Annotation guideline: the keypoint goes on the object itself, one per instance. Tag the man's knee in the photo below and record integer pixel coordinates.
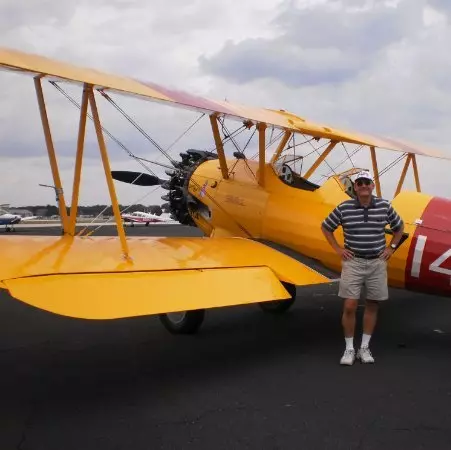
(350, 306)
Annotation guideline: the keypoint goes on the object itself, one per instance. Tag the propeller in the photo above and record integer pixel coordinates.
(177, 198)
(138, 178)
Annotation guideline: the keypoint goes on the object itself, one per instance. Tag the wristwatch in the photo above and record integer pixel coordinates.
(393, 246)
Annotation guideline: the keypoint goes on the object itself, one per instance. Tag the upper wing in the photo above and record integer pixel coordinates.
(60, 71)
(86, 277)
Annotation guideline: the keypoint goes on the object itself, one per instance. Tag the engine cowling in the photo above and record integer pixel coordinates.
(178, 197)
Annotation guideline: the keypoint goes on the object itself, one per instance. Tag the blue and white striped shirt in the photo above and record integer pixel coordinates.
(364, 227)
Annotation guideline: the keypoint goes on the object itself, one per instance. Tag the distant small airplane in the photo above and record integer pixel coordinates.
(9, 220)
(144, 217)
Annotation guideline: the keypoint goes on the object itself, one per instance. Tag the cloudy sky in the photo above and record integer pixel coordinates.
(375, 66)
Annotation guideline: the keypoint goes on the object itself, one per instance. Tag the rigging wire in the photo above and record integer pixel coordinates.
(108, 98)
(245, 160)
(117, 141)
(139, 160)
(178, 139)
(268, 144)
(186, 131)
(227, 133)
(352, 162)
(316, 150)
(137, 126)
(392, 164)
(237, 132)
(343, 161)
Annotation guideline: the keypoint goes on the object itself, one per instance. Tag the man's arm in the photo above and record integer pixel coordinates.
(397, 235)
(329, 235)
(397, 226)
(329, 225)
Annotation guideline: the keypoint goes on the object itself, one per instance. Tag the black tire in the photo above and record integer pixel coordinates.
(188, 322)
(280, 306)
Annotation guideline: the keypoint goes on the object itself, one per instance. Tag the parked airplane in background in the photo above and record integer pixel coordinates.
(9, 220)
(146, 218)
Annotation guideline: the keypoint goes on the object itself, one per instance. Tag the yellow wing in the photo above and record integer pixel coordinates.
(60, 71)
(85, 278)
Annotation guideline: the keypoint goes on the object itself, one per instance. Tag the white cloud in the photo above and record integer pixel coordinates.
(365, 65)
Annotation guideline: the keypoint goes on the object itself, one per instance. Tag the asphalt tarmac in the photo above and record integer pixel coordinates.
(247, 380)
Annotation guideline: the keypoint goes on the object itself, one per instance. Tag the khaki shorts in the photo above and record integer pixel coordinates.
(358, 272)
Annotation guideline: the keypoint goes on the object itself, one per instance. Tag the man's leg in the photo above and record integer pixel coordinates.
(348, 317)
(370, 317)
(350, 286)
(348, 323)
(377, 290)
(369, 323)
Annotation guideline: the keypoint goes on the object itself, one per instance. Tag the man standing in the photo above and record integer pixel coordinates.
(364, 258)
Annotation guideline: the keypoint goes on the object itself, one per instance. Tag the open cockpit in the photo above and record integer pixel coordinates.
(289, 169)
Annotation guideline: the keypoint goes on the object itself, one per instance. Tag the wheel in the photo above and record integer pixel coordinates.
(280, 306)
(183, 322)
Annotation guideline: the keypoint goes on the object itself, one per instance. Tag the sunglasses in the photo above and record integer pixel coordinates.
(363, 182)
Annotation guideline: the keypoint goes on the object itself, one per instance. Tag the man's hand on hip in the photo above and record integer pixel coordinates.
(386, 254)
(345, 254)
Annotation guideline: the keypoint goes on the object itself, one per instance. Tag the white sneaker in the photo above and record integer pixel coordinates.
(365, 355)
(348, 358)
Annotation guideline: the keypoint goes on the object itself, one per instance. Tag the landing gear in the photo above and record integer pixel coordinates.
(280, 306)
(189, 322)
(183, 322)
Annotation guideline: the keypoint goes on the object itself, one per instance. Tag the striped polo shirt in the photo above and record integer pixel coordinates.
(364, 227)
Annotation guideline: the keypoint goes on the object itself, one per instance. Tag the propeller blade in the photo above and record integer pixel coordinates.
(138, 178)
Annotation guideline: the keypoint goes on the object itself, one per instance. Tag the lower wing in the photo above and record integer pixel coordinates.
(87, 278)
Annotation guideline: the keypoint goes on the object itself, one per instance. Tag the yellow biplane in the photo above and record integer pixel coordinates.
(261, 218)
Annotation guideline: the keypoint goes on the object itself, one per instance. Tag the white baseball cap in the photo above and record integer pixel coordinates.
(363, 174)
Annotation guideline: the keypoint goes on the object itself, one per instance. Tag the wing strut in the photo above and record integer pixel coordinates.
(415, 172)
(281, 146)
(51, 153)
(320, 159)
(109, 178)
(403, 174)
(78, 160)
(219, 146)
(410, 158)
(261, 153)
(375, 171)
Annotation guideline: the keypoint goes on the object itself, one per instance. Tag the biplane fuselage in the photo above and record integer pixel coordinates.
(236, 202)
(292, 216)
